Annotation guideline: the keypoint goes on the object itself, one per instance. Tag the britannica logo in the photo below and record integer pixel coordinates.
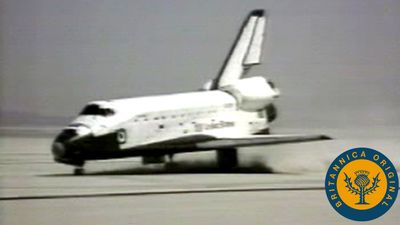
(361, 184)
(362, 181)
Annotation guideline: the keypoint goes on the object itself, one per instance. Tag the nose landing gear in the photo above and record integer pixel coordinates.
(79, 171)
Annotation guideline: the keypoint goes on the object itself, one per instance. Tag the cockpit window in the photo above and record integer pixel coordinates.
(97, 110)
(272, 84)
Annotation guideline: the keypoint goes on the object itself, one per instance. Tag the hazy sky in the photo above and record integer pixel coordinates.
(336, 62)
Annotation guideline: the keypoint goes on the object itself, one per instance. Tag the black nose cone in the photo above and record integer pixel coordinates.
(58, 150)
(66, 135)
(59, 145)
(65, 150)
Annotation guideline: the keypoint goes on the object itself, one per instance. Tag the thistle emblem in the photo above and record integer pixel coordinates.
(362, 181)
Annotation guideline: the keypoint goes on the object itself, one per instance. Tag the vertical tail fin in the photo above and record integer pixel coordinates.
(246, 50)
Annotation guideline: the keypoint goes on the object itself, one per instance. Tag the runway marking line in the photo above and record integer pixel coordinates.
(158, 192)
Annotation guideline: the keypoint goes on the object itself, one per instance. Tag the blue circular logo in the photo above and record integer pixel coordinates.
(361, 184)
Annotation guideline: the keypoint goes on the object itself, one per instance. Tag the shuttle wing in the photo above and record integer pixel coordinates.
(194, 143)
(233, 142)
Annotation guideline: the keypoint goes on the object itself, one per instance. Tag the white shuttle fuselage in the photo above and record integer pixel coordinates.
(230, 112)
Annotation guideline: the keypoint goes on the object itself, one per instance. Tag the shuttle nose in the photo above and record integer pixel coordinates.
(72, 134)
(58, 149)
(65, 149)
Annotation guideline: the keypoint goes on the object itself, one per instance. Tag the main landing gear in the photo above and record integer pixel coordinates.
(170, 158)
(227, 159)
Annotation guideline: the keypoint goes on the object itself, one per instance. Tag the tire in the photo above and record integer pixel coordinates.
(227, 159)
(79, 171)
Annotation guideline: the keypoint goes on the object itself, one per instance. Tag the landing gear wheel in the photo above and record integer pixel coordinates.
(170, 164)
(171, 158)
(227, 159)
(79, 171)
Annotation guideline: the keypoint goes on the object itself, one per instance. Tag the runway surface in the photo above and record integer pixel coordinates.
(35, 190)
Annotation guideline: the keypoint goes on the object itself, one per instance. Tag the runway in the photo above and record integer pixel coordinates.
(35, 190)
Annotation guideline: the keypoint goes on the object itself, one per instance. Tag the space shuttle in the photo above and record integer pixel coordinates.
(230, 111)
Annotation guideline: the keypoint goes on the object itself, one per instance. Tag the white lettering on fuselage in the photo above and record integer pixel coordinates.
(215, 125)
